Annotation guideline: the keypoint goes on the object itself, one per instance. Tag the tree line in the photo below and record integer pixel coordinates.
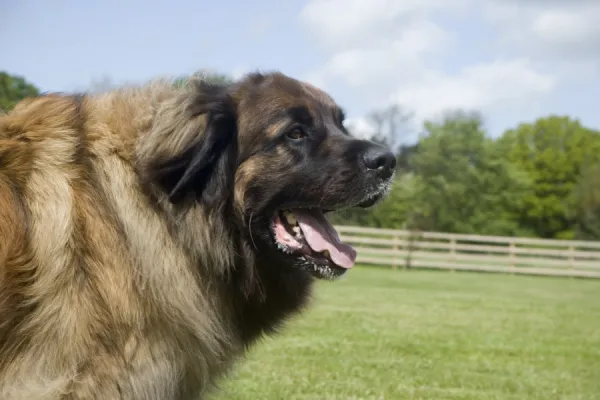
(537, 179)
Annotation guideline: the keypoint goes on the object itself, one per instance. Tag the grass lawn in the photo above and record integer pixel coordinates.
(382, 334)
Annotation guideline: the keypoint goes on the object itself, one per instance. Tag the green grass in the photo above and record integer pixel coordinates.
(382, 334)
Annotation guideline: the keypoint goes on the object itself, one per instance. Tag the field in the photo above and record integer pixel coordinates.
(383, 334)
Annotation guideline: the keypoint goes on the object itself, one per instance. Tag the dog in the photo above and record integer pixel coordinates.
(149, 235)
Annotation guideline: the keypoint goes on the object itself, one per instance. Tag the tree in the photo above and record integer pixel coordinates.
(587, 203)
(13, 89)
(402, 205)
(390, 125)
(393, 213)
(404, 157)
(553, 151)
(102, 85)
(464, 184)
(208, 75)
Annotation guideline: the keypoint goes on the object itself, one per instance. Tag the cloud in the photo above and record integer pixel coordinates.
(421, 54)
(360, 127)
(498, 84)
(565, 31)
(239, 72)
(387, 58)
(341, 24)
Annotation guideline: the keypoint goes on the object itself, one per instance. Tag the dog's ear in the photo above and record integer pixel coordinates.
(192, 146)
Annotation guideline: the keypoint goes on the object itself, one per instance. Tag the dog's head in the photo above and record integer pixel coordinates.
(271, 153)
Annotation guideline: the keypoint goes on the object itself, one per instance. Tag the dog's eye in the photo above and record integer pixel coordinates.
(297, 133)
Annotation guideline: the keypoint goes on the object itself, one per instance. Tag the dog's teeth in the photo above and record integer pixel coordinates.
(296, 230)
(290, 217)
(325, 253)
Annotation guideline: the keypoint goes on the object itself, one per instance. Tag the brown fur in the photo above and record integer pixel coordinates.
(111, 288)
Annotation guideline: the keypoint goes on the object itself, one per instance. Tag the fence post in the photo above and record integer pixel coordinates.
(511, 253)
(395, 248)
(571, 256)
(453, 250)
(409, 250)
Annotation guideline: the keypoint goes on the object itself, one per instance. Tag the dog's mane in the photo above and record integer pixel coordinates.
(118, 254)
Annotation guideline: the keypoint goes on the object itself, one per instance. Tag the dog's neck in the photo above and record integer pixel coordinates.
(267, 295)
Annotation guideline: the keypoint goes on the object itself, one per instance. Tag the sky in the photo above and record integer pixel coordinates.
(511, 60)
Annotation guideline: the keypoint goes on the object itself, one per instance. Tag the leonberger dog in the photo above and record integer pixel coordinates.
(149, 235)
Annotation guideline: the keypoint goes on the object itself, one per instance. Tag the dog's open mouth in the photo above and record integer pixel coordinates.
(306, 233)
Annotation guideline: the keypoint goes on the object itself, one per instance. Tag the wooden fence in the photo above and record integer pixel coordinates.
(406, 249)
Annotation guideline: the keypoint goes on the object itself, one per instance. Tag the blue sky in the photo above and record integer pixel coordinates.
(510, 61)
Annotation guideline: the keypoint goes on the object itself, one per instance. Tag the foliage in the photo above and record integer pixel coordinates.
(393, 213)
(207, 75)
(539, 179)
(465, 184)
(13, 89)
(587, 203)
(552, 151)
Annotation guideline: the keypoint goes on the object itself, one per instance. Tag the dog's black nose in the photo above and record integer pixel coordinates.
(380, 160)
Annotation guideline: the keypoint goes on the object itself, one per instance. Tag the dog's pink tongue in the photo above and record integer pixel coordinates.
(321, 235)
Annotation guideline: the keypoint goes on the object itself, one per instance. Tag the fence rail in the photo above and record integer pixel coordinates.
(409, 249)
